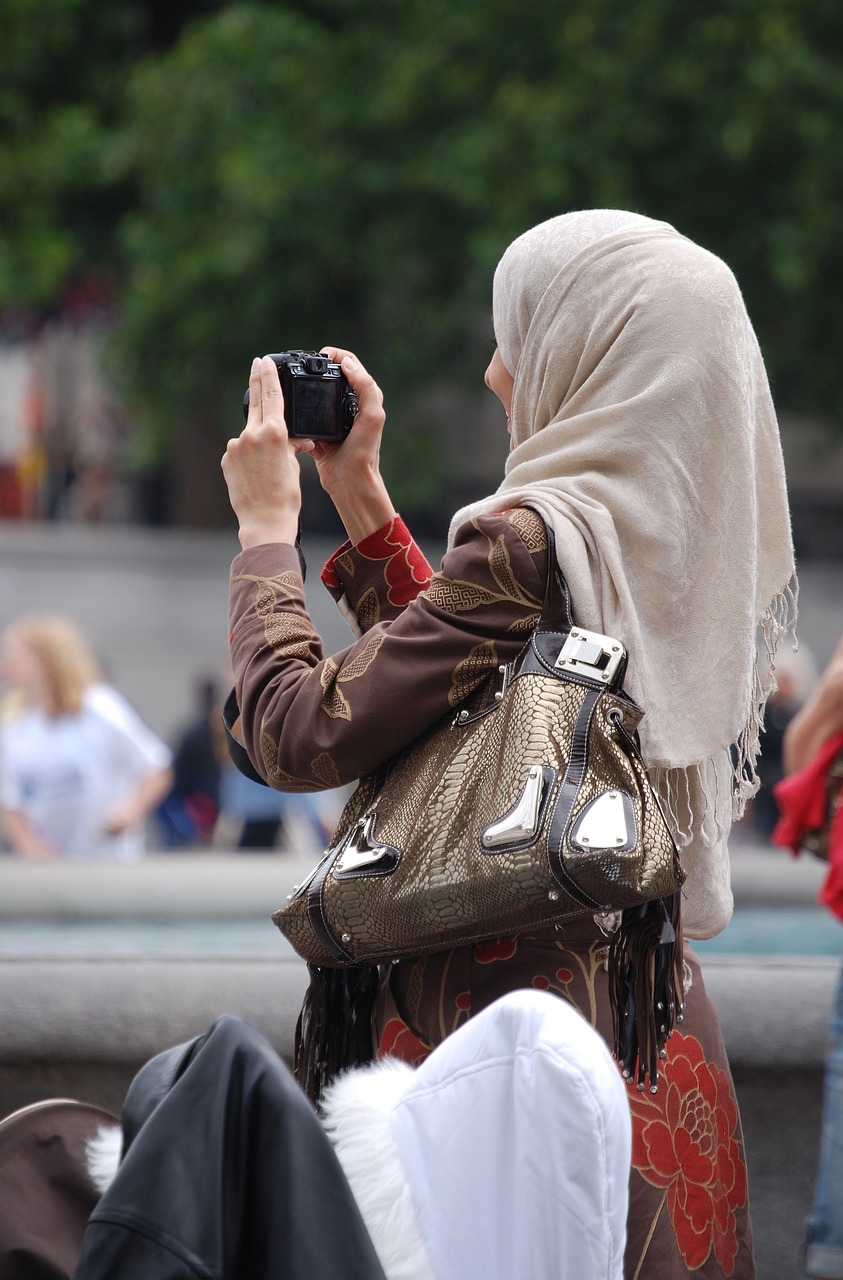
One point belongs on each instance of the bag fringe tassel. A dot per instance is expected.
(334, 1029)
(646, 987)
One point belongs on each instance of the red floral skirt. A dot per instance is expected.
(688, 1207)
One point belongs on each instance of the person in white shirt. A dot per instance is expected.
(79, 769)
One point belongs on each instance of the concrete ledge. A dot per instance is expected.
(773, 1014)
(215, 885)
(184, 886)
(117, 1011)
(112, 1009)
(767, 876)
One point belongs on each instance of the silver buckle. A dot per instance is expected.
(587, 653)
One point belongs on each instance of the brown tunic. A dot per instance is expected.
(311, 722)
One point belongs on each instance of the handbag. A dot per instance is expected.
(526, 806)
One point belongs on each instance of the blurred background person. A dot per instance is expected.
(188, 813)
(259, 817)
(796, 678)
(812, 818)
(79, 769)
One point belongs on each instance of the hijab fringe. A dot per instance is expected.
(702, 800)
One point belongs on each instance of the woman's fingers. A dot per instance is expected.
(272, 399)
(266, 402)
(337, 354)
(265, 427)
(255, 394)
(303, 446)
(369, 394)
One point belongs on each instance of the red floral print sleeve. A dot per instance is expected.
(389, 563)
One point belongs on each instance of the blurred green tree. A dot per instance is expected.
(340, 170)
(64, 66)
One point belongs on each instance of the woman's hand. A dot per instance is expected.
(133, 809)
(23, 841)
(350, 472)
(260, 466)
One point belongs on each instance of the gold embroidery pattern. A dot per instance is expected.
(530, 528)
(334, 702)
(524, 624)
(279, 778)
(369, 610)
(454, 595)
(287, 584)
(360, 665)
(324, 768)
(288, 634)
(346, 563)
(470, 671)
(501, 569)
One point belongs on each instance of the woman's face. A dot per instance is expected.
(501, 381)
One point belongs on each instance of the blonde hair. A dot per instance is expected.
(68, 663)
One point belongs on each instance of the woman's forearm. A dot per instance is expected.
(364, 508)
(803, 737)
(21, 838)
(818, 720)
(350, 472)
(147, 792)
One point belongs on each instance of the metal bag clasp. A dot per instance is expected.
(589, 654)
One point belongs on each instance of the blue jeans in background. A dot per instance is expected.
(823, 1254)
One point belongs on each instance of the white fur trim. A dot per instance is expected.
(358, 1118)
(102, 1155)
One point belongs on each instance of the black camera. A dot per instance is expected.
(318, 402)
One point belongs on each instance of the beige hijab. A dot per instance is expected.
(644, 433)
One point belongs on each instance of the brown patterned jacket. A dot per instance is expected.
(311, 722)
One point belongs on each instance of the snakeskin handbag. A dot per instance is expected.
(527, 806)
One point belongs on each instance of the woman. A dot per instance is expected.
(79, 770)
(643, 433)
(813, 752)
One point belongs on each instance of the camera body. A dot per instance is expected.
(318, 402)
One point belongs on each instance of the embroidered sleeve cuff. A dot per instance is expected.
(388, 561)
(329, 575)
(267, 560)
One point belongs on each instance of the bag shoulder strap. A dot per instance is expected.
(556, 614)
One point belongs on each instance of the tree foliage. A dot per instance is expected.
(290, 174)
